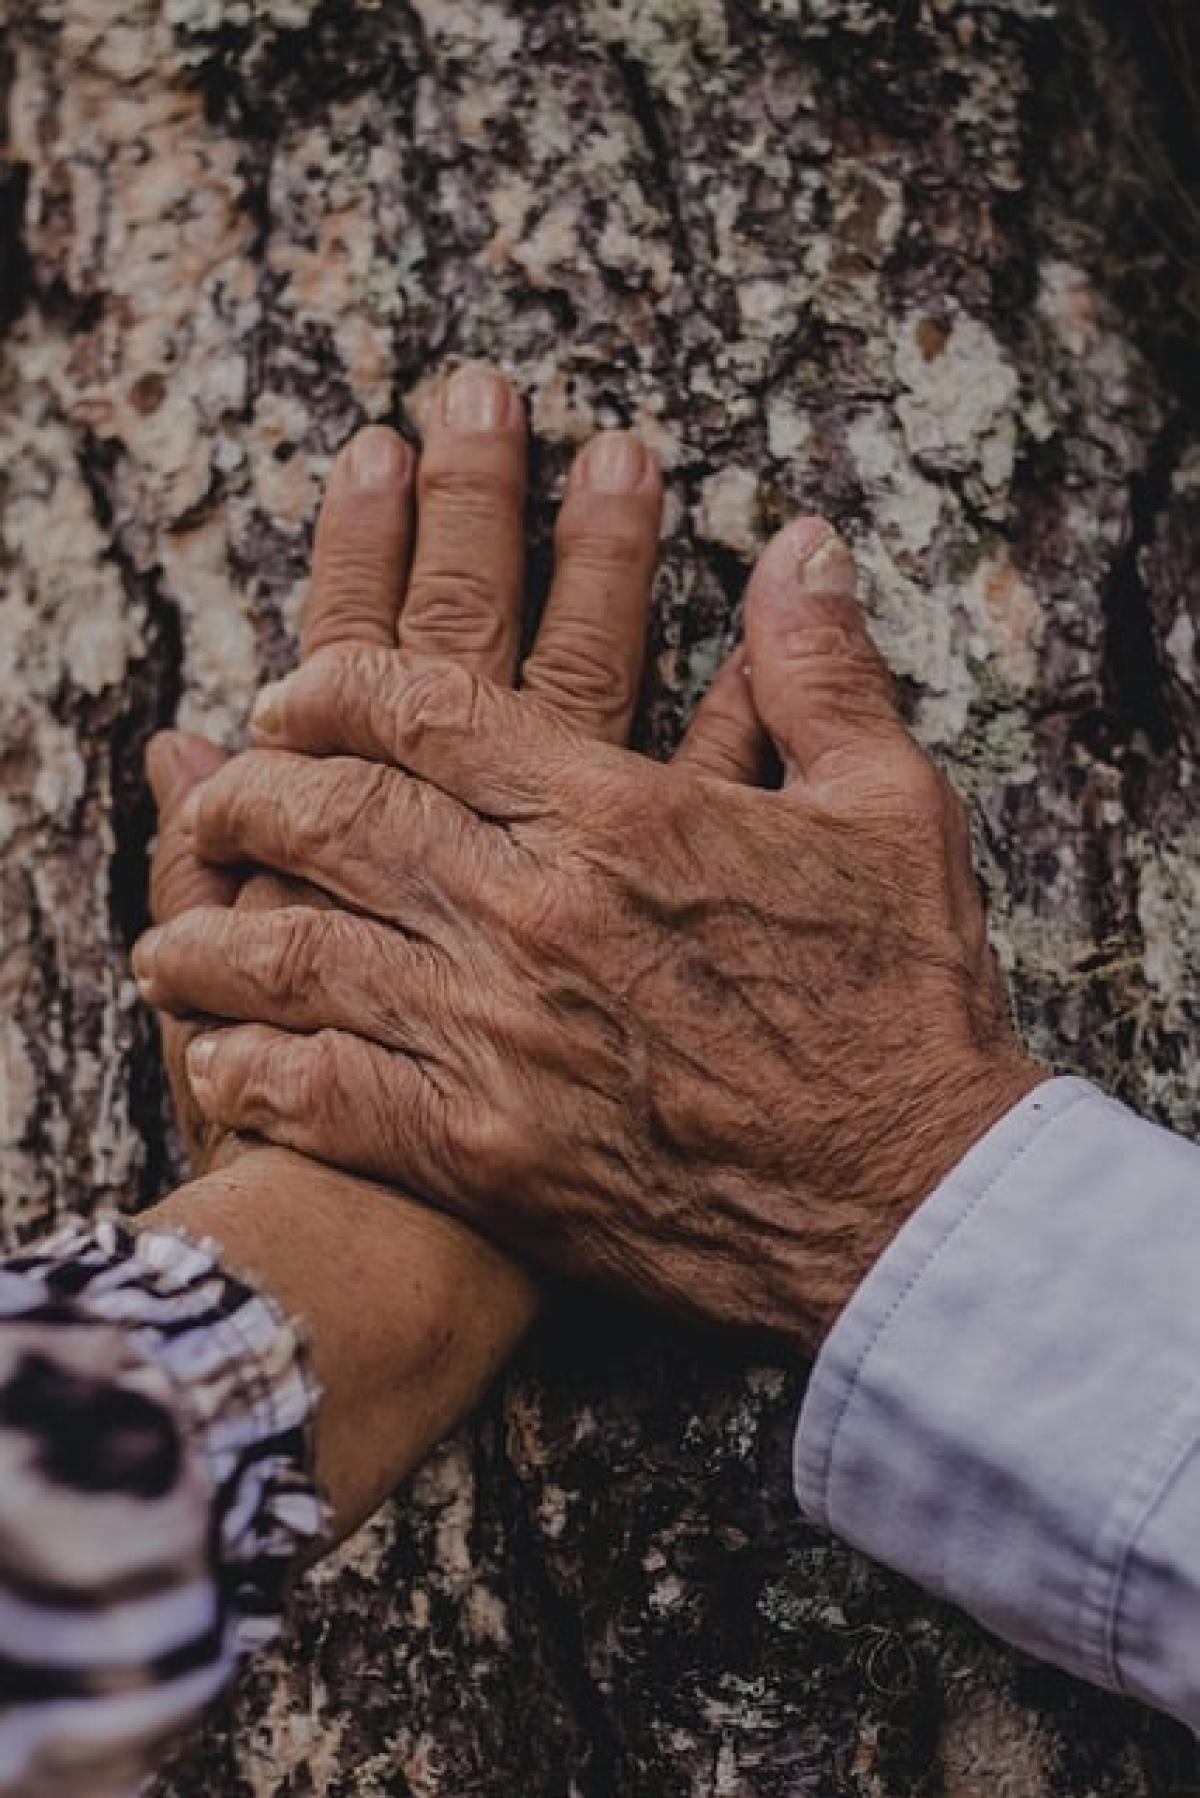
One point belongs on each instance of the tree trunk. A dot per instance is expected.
(923, 264)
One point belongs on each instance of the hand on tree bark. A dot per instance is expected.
(437, 1310)
(705, 1042)
(432, 556)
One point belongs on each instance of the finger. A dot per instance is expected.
(499, 753)
(266, 891)
(388, 845)
(294, 967)
(176, 765)
(587, 661)
(818, 682)
(725, 737)
(333, 1096)
(467, 585)
(363, 543)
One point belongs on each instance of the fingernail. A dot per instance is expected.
(475, 399)
(829, 569)
(200, 1059)
(376, 458)
(823, 562)
(189, 813)
(807, 536)
(177, 762)
(267, 716)
(164, 769)
(614, 463)
(142, 959)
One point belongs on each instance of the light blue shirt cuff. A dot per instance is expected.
(1008, 1411)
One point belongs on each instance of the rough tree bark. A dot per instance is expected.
(900, 259)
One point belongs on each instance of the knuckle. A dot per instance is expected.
(279, 957)
(454, 610)
(335, 685)
(279, 1082)
(339, 673)
(185, 953)
(356, 565)
(602, 540)
(439, 695)
(580, 668)
(321, 1081)
(468, 493)
(359, 800)
(326, 804)
(346, 613)
(343, 1091)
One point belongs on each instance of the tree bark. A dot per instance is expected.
(923, 264)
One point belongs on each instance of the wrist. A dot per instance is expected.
(409, 1314)
(914, 1151)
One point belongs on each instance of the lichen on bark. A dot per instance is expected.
(894, 259)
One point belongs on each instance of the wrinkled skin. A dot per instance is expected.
(430, 556)
(706, 1043)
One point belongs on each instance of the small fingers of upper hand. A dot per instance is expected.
(296, 967)
(177, 764)
(333, 1096)
(358, 829)
(485, 747)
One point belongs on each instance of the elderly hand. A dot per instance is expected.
(431, 555)
(707, 1043)
(437, 1310)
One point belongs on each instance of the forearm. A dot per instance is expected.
(408, 1314)
(159, 1419)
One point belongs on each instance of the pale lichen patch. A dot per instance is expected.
(958, 403)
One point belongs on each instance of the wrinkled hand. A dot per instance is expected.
(437, 1308)
(707, 1043)
(431, 554)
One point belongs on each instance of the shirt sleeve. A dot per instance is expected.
(1008, 1410)
(156, 1488)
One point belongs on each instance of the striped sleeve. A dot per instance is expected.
(156, 1489)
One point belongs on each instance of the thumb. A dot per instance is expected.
(176, 764)
(820, 686)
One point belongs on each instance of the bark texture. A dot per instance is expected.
(919, 263)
